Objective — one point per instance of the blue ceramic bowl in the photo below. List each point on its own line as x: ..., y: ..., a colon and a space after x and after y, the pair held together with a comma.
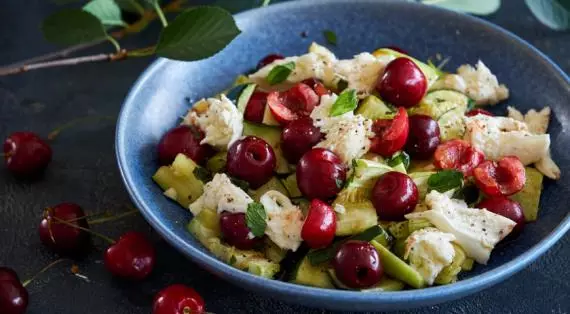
x: 166, y: 89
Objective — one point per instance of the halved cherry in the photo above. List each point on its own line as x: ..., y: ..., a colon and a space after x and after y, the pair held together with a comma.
x: 458, y: 155
x: 298, y: 101
x: 320, y: 226
x: 477, y: 111
x: 255, y: 107
x: 500, y: 178
x: 317, y: 86
x: 391, y: 135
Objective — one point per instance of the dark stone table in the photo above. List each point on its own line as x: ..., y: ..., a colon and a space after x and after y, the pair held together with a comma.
x: 84, y: 171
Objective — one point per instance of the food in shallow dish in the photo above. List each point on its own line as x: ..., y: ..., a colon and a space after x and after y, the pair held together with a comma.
x: 376, y: 173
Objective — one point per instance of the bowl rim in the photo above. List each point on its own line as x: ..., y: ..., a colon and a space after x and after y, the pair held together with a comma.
x: 305, y: 294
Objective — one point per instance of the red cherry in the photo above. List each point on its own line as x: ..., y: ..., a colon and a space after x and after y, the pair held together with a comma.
x: 298, y: 137
x: 255, y: 107
x: 26, y: 154
x: 506, y: 208
x: 477, y: 111
x: 131, y: 257
x: 458, y: 155
x: 251, y: 159
x: 178, y: 299
x: 320, y: 174
x: 394, y: 195
x: 320, y: 225
x: 423, y: 138
x: 186, y: 140
x: 13, y: 295
x: 391, y: 135
x: 317, y: 86
x: 403, y: 83
x: 235, y: 231
x: 503, y: 177
x: 357, y: 264
x: 298, y: 101
x: 398, y: 49
x: 269, y: 59
x: 65, y: 238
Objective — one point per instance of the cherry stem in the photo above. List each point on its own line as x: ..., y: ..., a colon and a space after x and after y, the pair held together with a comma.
x: 112, y: 218
x: 43, y: 270
x: 53, y: 134
x: 102, y: 236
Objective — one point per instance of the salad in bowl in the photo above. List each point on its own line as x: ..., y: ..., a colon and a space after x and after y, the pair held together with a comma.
x: 376, y: 173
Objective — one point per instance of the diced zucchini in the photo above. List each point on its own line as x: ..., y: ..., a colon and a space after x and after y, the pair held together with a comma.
x: 274, y: 184
x: 244, y: 97
x: 529, y: 196
x: 430, y: 73
x: 385, y: 284
x: 303, y: 204
x: 290, y: 183
x: 209, y: 218
x: 397, y: 268
x: 262, y: 267
x: 359, y: 215
x: 179, y: 177
x: 217, y: 163
x: 272, y: 135
x: 417, y: 224
x: 451, y: 126
x: 366, y: 172
x: 374, y: 108
x: 420, y: 179
x: 467, y: 264
x: 312, y: 275
x: 200, y: 232
x: 399, y: 248
x: 384, y: 238
x: 400, y: 230
x: 449, y: 273
x: 447, y: 107
x: 273, y: 252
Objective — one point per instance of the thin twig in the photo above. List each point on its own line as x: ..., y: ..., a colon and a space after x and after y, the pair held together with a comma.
x: 55, y: 132
x: 113, y: 218
x: 43, y: 270
x: 100, y: 235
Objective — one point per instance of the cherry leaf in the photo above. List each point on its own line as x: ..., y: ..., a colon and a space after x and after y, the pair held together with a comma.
x: 197, y: 34
x: 479, y: 7
x: 552, y: 13
x: 107, y: 11
x: 73, y: 26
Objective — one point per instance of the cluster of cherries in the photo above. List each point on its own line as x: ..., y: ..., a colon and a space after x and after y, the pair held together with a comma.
x: 65, y: 229
x: 321, y: 173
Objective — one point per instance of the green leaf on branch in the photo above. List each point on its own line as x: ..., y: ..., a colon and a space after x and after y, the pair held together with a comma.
x: 197, y: 34
x: 71, y: 27
x: 107, y: 11
x: 552, y: 13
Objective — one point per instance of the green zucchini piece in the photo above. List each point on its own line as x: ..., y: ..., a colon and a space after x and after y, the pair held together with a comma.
x: 247, y: 260
x: 290, y: 183
x: 421, y: 179
x: 399, y: 248
x: 273, y: 252
x: 273, y: 184
x: 272, y: 135
x: 449, y: 273
x: 529, y: 196
x: 397, y: 268
x: 309, y: 274
x: 244, y: 97
x: 200, y: 232
x: 303, y: 204
x: 358, y: 217
x: 374, y: 108
x: 400, y: 230
x: 385, y: 284
x: 366, y: 172
x: 430, y: 73
x: 217, y: 163
x: 179, y: 181
x: 417, y: 224
x: 448, y: 108
x: 209, y: 218
x: 451, y: 126
x: 467, y: 264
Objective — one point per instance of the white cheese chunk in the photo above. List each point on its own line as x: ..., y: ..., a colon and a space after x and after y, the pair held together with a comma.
x: 450, y: 81
x: 284, y: 220
x: 482, y: 85
x: 321, y: 114
x: 362, y: 72
x: 477, y: 231
x: 429, y: 250
x: 221, y: 122
x: 348, y: 138
x: 221, y: 195
x: 497, y: 137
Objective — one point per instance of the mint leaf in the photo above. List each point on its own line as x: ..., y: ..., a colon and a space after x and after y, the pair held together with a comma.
x: 552, y: 13
x: 255, y: 219
x: 399, y: 158
x: 107, y: 11
x: 72, y: 27
x: 346, y: 101
x: 197, y: 34
x: 280, y: 72
x: 330, y: 36
x: 470, y: 105
x: 445, y: 180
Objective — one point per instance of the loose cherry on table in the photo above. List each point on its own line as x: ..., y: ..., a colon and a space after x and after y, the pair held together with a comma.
x: 390, y: 134
x: 26, y: 154
x: 13, y: 294
x: 320, y: 225
x: 357, y: 264
x: 186, y: 140
x: 132, y: 256
x: 178, y: 299
x: 298, y: 137
x: 403, y: 83
x: 394, y: 195
x: 320, y: 174
x: 235, y: 231
x: 251, y: 159
x: 68, y: 238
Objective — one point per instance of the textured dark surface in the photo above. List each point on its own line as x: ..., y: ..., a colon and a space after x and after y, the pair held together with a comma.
x: 84, y: 171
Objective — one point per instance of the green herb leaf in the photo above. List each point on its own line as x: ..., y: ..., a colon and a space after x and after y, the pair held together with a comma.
x: 330, y: 36
x: 240, y: 183
x: 470, y: 104
x: 107, y: 11
x: 552, y: 13
x: 445, y: 180
x: 73, y: 26
x: 202, y: 174
x: 255, y: 219
x: 197, y: 34
x: 280, y: 72
x: 346, y: 101
x: 479, y: 7
x: 399, y: 158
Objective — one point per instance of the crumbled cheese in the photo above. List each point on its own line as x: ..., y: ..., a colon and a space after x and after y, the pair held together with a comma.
x: 349, y: 138
x: 477, y: 231
x: 450, y: 81
x: 482, y: 85
x: 221, y: 123
x: 362, y: 72
x: 284, y: 220
x: 321, y: 113
x: 500, y: 136
x: 222, y: 195
x: 429, y: 250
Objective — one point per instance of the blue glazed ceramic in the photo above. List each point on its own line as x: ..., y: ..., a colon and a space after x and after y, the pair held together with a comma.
x: 164, y: 92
